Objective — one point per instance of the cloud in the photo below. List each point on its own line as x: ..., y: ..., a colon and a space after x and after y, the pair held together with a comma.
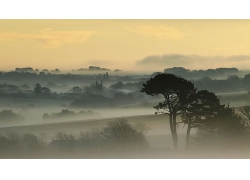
x: 48, y: 37
x: 160, y: 32
x: 193, y: 61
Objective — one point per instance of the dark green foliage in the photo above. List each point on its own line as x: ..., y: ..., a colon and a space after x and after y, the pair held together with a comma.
x: 204, y: 105
x: 176, y: 92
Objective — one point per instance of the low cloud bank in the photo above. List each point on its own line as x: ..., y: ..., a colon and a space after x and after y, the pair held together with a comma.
x: 193, y: 61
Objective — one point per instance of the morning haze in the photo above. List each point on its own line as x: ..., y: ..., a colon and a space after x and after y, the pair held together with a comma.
x: 124, y: 88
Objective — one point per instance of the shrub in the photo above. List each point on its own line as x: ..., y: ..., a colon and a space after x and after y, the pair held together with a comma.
x: 91, y: 139
x: 121, y: 134
x: 64, y: 136
x: 64, y: 141
x: 15, y: 142
x: 32, y: 142
x: 117, y: 134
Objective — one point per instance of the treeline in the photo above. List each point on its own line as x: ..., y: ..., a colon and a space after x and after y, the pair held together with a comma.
x: 199, y: 110
x: 65, y: 113
x: 231, y: 84
x: 180, y: 71
x: 43, y: 77
x: 8, y: 116
x: 116, y: 135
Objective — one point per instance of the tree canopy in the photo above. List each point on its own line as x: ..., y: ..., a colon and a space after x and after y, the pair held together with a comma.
x: 177, y: 93
x: 203, y: 106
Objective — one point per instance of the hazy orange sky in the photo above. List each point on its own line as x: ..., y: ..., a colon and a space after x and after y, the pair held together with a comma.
x: 150, y: 45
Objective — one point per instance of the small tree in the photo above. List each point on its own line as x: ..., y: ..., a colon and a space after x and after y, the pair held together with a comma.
x: 225, y: 128
x: 65, y: 141
x: 91, y: 139
x: 123, y: 134
x: 32, y: 142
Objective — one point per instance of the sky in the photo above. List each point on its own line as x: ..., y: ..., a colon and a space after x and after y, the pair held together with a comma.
x: 129, y: 45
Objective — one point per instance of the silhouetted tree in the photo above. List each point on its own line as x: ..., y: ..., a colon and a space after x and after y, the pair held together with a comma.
x: 204, y: 105
x: 176, y: 92
x: 225, y: 128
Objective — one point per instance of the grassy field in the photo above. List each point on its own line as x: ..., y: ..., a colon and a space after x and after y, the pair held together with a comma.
x: 158, y: 136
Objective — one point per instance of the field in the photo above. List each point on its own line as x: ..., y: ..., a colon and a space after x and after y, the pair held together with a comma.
x: 158, y: 136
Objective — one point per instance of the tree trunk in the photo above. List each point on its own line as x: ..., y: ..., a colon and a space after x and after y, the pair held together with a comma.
x: 172, y: 130
x: 175, y: 137
x: 172, y: 121
x: 188, y: 135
